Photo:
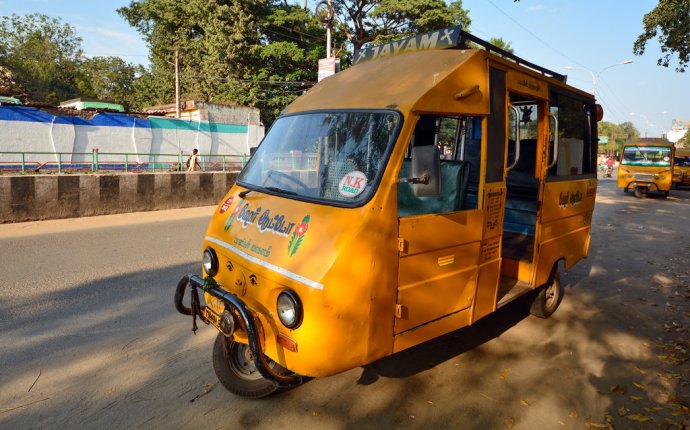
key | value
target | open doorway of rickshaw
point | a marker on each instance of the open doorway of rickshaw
(527, 118)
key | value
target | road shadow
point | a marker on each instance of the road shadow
(430, 354)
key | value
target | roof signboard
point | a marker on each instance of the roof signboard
(439, 39)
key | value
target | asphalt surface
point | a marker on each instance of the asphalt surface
(89, 338)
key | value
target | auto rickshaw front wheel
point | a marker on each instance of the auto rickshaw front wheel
(235, 368)
(548, 296)
(640, 192)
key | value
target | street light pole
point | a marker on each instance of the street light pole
(646, 120)
(595, 76)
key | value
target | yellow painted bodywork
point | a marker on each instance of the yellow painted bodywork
(655, 178)
(371, 283)
(681, 174)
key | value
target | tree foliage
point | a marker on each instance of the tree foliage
(670, 21)
(618, 134)
(264, 53)
(503, 44)
(379, 21)
(111, 78)
(260, 53)
(39, 57)
(41, 60)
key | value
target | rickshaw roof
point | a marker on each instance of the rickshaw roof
(650, 143)
(400, 82)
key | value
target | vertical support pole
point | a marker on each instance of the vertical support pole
(126, 163)
(177, 84)
(223, 163)
(328, 31)
(59, 157)
(23, 159)
(244, 160)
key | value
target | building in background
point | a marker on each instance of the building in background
(84, 104)
(679, 128)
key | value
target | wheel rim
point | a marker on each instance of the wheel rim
(242, 363)
(550, 296)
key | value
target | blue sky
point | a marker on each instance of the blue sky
(586, 34)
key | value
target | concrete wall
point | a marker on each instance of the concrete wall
(40, 197)
(25, 129)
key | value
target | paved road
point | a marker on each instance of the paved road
(89, 338)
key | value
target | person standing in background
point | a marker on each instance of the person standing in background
(192, 161)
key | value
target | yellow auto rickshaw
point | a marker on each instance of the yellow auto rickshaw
(646, 165)
(681, 167)
(399, 200)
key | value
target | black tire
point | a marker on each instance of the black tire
(235, 369)
(639, 193)
(666, 194)
(548, 297)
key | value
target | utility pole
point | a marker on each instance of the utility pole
(329, 26)
(177, 84)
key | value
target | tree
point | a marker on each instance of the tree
(39, 58)
(380, 21)
(263, 53)
(257, 53)
(111, 78)
(628, 129)
(503, 44)
(617, 134)
(670, 19)
(684, 142)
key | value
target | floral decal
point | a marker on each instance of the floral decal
(233, 215)
(298, 235)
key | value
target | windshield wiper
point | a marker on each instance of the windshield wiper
(278, 190)
(244, 193)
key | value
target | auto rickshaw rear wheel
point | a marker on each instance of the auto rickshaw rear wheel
(548, 296)
(236, 370)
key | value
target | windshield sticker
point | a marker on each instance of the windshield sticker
(298, 236)
(352, 184)
(226, 204)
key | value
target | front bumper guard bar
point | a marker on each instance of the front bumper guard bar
(642, 184)
(248, 320)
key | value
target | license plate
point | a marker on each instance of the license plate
(212, 317)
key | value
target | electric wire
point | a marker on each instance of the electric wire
(534, 35)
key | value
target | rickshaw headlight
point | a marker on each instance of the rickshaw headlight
(209, 262)
(289, 309)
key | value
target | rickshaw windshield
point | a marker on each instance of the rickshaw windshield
(325, 156)
(646, 156)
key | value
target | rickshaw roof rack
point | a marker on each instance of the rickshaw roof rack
(447, 38)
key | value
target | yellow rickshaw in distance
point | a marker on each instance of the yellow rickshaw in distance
(646, 165)
(681, 167)
(399, 200)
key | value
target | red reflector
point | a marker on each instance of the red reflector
(287, 343)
